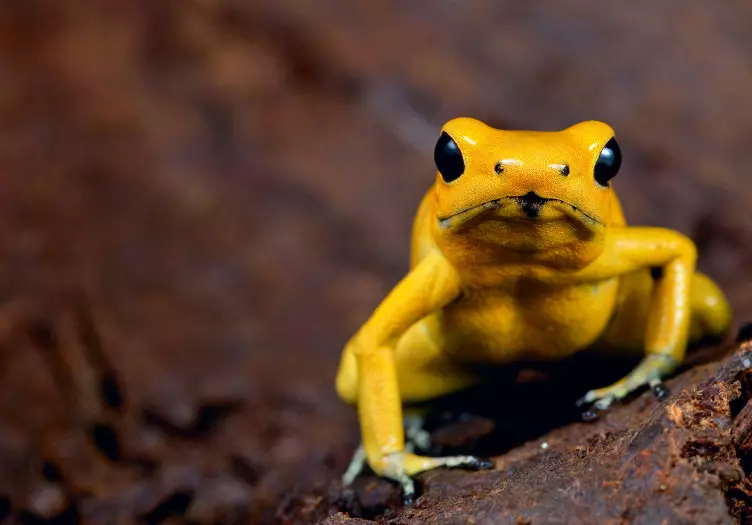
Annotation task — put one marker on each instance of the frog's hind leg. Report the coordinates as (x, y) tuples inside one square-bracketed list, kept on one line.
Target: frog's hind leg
[(416, 438), (710, 318), (711, 311)]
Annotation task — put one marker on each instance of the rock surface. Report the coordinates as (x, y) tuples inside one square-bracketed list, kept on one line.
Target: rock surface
[(200, 202), (682, 460)]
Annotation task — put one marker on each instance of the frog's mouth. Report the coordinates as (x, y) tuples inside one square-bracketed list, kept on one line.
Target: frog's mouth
[(530, 205)]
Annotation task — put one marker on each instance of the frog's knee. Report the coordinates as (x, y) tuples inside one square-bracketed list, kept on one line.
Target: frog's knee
[(347, 378), (711, 311)]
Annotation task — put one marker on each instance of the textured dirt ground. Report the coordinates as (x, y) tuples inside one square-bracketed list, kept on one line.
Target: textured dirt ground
[(201, 201)]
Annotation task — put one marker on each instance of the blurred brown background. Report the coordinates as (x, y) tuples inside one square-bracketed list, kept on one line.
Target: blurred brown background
[(200, 201)]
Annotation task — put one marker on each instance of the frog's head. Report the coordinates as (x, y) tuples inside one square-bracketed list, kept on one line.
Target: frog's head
[(525, 190)]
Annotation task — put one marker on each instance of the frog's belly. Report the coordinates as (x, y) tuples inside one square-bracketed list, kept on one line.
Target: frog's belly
[(548, 324)]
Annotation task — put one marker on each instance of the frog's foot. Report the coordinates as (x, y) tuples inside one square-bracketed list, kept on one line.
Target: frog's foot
[(357, 464), (416, 437), (649, 372), (401, 466)]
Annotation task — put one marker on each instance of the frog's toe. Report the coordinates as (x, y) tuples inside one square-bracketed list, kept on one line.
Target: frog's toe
[(408, 488), (649, 372), (412, 464), (605, 402), (596, 408), (357, 464), (416, 437), (401, 466), (601, 399), (660, 390), (408, 493), (481, 464)]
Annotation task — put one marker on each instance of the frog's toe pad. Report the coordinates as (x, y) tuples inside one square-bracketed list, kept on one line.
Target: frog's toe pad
[(660, 391), (482, 464), (598, 401), (604, 402), (467, 462)]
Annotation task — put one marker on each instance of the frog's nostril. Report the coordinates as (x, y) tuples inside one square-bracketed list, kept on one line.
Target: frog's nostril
[(562, 168), (531, 203), (503, 163)]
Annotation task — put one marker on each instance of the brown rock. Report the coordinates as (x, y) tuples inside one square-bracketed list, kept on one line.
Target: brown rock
[(343, 519), (642, 462)]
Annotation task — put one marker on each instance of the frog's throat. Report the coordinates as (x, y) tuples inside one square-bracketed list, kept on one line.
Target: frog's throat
[(462, 217)]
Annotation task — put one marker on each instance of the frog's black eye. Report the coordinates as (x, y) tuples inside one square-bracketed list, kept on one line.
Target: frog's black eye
[(608, 163), (448, 158)]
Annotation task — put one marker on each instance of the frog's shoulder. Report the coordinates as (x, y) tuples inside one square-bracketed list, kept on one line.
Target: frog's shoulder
[(616, 214), (422, 237)]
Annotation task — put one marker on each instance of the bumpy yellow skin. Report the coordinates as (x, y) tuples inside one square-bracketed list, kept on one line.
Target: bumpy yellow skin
[(490, 284)]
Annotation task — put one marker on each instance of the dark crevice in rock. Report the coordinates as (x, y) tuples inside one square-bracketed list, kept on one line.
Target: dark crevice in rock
[(744, 333), (105, 438), (88, 333), (245, 470), (69, 516), (51, 472), (5, 508), (706, 449), (176, 505), (43, 335), (110, 390)]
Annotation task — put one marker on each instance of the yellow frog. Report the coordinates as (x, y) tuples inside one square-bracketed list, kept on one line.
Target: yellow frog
[(520, 251)]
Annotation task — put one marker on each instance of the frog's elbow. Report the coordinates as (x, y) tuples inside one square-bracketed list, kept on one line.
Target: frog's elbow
[(672, 246), (685, 248)]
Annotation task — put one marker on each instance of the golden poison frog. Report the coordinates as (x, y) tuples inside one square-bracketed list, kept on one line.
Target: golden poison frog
[(520, 251)]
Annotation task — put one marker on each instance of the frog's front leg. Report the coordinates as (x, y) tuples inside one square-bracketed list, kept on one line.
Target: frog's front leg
[(428, 287), (416, 438), (650, 371), (627, 250)]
